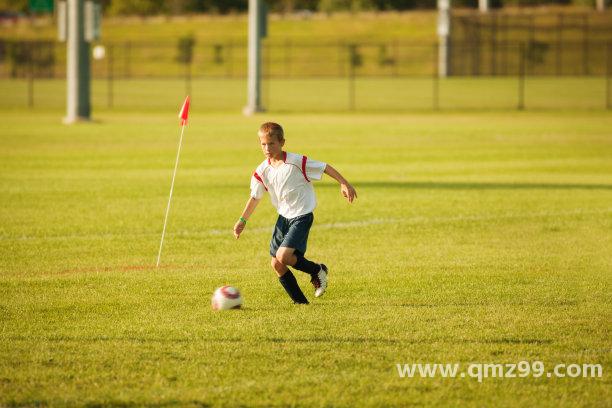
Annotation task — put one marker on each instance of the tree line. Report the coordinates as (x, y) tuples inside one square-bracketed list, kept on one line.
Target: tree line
[(176, 7)]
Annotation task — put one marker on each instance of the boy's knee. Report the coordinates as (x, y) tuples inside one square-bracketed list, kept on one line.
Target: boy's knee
[(284, 256), (278, 267)]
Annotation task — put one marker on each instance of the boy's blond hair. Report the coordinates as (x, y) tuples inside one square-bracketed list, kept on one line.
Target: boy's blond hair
[(272, 129)]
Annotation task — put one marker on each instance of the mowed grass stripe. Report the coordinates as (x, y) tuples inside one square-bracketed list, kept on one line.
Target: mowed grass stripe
[(335, 225)]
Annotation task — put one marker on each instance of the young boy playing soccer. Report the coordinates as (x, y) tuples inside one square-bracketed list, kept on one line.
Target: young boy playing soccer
[(288, 178)]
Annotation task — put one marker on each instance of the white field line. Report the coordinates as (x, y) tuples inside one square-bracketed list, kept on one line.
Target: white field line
[(418, 220)]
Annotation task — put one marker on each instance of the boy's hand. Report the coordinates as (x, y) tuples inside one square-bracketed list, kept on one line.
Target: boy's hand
[(348, 192), (238, 227)]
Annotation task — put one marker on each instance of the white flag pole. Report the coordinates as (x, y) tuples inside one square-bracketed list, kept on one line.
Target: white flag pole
[(170, 198)]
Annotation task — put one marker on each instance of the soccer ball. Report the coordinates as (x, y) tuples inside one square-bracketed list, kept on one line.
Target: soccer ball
[(225, 298)]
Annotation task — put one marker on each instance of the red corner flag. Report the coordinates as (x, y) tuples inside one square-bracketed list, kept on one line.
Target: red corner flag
[(184, 113)]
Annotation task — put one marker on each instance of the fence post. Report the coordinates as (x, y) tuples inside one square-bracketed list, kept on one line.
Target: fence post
[(230, 58), (475, 44), (558, 48), (341, 69), (585, 45), (351, 61), (30, 74), (110, 76), (351, 87), (608, 72), (267, 73), (188, 78), (494, 43), (127, 57), (435, 78), (54, 65), (521, 77), (287, 58), (396, 55), (506, 24)]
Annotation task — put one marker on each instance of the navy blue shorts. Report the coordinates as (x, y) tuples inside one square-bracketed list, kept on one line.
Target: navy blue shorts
[(292, 233)]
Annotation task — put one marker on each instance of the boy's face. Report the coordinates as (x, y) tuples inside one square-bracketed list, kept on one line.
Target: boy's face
[(272, 148)]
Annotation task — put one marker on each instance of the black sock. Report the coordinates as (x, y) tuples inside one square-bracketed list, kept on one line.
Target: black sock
[(292, 288), (305, 265)]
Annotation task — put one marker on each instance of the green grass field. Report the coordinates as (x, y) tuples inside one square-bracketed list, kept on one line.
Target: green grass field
[(479, 237)]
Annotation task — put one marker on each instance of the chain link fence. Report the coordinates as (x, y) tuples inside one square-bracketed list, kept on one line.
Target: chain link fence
[(556, 43), (334, 76)]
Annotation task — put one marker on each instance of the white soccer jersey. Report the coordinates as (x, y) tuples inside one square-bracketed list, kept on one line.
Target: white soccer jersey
[(289, 184)]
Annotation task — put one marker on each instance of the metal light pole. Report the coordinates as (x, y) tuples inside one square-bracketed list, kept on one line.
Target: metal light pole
[(77, 64), (483, 6), (601, 5), (78, 23), (444, 38), (257, 30)]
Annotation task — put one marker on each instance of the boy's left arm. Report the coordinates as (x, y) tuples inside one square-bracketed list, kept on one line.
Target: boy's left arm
[(346, 188)]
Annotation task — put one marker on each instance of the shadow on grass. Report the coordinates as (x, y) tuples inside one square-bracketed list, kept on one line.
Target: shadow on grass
[(129, 339), (222, 340), (513, 340), (114, 404), (426, 185), (356, 340), (364, 340), (341, 340), (126, 404), (562, 303)]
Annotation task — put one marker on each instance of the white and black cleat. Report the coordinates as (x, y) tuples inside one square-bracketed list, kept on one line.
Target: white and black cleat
[(319, 281)]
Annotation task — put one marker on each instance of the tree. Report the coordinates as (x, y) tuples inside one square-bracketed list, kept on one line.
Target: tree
[(14, 5), (138, 7)]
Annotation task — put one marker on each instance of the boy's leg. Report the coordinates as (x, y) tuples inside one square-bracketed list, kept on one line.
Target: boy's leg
[(291, 252), (290, 257), (318, 272), (285, 276), (293, 247), (288, 281), (278, 267)]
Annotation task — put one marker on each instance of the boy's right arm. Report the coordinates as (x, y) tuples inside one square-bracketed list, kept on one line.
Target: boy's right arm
[(248, 210)]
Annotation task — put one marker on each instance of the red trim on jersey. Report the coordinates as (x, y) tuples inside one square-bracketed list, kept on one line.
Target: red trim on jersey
[(260, 180), (304, 159)]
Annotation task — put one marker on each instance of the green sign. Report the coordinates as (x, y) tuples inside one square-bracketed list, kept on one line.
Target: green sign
[(41, 6)]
